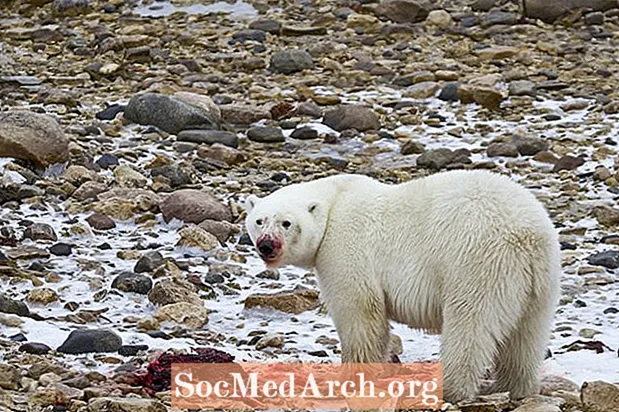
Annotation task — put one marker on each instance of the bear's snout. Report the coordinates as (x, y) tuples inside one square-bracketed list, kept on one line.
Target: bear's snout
[(268, 247)]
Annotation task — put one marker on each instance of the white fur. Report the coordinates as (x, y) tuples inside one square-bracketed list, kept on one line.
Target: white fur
[(468, 254)]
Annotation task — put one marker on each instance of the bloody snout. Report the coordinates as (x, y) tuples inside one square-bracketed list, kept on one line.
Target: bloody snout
[(266, 247)]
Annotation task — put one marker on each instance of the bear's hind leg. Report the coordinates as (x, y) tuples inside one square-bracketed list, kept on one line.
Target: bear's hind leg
[(484, 303), (467, 351), (522, 352)]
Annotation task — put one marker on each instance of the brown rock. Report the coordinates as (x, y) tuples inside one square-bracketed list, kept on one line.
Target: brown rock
[(34, 137), (488, 97), (404, 11), (125, 405), (221, 230), (244, 115), (606, 215), (196, 237), (568, 162), (600, 396), (169, 291), (194, 206), (294, 301), (194, 316), (502, 149), (355, 117), (549, 11), (100, 222)]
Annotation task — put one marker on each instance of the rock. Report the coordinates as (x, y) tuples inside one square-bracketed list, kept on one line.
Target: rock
[(107, 161), (568, 162), (27, 252), (132, 282), (269, 26), (497, 53), (530, 146), (439, 18), (502, 149), (270, 341), (449, 92), (522, 88), (608, 259), (243, 115), (269, 274), (148, 262), (594, 19), (483, 5), (55, 394), (110, 112), (221, 230), (194, 316), (600, 396), (35, 348), (295, 301), (11, 306), (170, 291), (175, 174), (576, 104), (404, 11), (310, 109), (488, 97), (128, 177), (77, 175), (262, 134), (291, 61), (100, 222), (550, 11), (125, 404), (498, 17), (194, 206), (486, 403), (196, 237), (304, 133), (219, 152), (33, 137), (209, 137), (606, 215), (9, 377), (423, 90), (61, 249), (355, 117), (435, 159), (43, 296), (250, 35), (537, 406), (170, 114), (132, 350), (71, 7), (200, 101), (40, 231), (411, 147), (89, 190), (91, 341)]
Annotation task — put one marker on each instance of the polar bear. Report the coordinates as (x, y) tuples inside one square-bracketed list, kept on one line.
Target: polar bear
[(471, 255)]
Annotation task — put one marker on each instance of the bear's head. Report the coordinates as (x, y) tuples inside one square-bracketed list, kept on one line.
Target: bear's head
[(286, 228)]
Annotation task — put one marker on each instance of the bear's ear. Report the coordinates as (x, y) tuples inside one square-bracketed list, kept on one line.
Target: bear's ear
[(251, 202), (313, 207)]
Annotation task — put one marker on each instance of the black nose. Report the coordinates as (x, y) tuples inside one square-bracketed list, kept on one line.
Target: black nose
[(265, 247)]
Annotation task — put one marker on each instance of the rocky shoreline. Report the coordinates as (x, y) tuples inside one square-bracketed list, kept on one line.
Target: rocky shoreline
[(138, 129)]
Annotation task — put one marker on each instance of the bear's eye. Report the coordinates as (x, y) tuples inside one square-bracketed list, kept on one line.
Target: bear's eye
[(259, 222), (286, 224)]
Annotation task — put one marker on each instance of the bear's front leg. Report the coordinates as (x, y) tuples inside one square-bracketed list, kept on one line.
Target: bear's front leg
[(358, 310)]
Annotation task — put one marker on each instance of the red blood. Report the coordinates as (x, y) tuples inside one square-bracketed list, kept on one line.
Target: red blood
[(158, 374)]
